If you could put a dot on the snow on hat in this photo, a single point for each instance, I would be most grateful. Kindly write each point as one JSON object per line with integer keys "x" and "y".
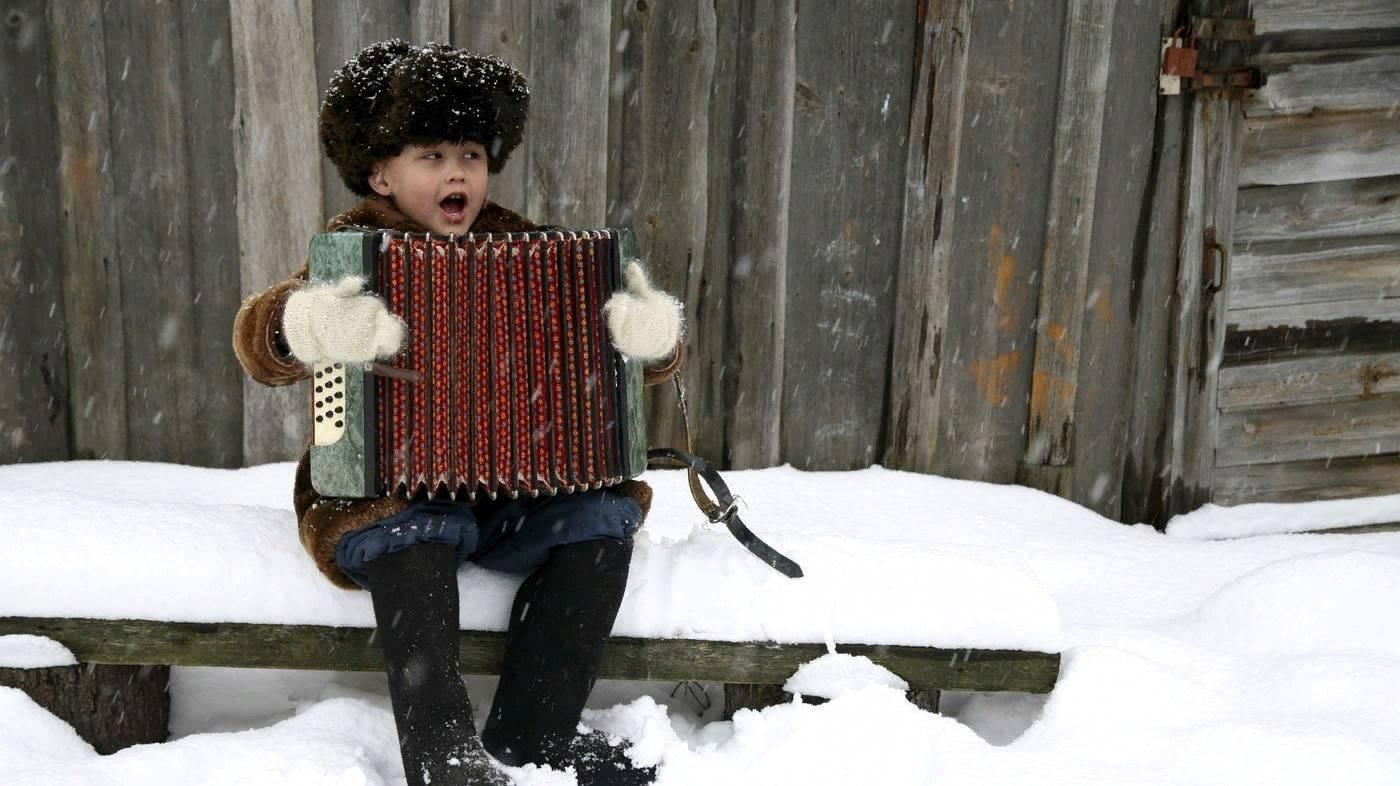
{"x": 393, "y": 94}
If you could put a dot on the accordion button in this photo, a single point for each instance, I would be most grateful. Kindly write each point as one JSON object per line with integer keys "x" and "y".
{"x": 339, "y": 424}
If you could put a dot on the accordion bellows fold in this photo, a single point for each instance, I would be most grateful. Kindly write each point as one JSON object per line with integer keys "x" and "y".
{"x": 322, "y": 521}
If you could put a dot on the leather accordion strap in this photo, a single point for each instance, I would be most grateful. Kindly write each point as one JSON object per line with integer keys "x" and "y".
{"x": 726, "y": 510}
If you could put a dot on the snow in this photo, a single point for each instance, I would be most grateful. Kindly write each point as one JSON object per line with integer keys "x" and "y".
{"x": 1270, "y": 659}
{"x": 1268, "y": 518}
{"x": 22, "y": 651}
{"x": 836, "y": 674}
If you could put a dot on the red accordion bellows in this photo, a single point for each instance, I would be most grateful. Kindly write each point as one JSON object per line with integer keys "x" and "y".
{"x": 518, "y": 379}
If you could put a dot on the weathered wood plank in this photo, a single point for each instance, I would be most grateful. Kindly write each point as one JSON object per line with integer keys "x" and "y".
{"x": 151, "y": 174}
{"x": 1331, "y": 430}
{"x": 1309, "y": 380}
{"x": 33, "y": 350}
{"x": 670, "y": 205}
{"x": 1342, "y": 80}
{"x": 1105, "y": 398}
{"x": 354, "y": 649}
{"x": 1304, "y": 481}
{"x": 430, "y": 21}
{"x": 994, "y": 262}
{"x": 1146, "y": 484}
{"x": 1339, "y": 208}
{"x": 1059, "y": 331}
{"x": 1211, "y": 188}
{"x": 709, "y": 362}
{"x": 1278, "y": 16}
{"x": 92, "y": 301}
{"x": 206, "y": 65}
{"x": 279, "y": 190}
{"x": 1258, "y": 334}
{"x": 568, "y": 169}
{"x": 501, "y": 28}
{"x": 850, "y": 126}
{"x": 1315, "y": 148}
{"x": 342, "y": 29}
{"x": 926, "y": 236}
{"x": 1297, "y": 272}
{"x": 762, "y": 139}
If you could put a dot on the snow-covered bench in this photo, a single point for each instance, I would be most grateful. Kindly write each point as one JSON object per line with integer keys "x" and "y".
{"x": 146, "y": 563}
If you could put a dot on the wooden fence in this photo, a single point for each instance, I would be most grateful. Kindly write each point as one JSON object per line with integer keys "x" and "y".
{"x": 941, "y": 235}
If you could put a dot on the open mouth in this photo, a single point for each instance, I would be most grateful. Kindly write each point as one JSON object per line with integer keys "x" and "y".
{"x": 454, "y": 207}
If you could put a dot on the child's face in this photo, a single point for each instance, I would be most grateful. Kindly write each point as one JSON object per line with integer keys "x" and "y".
{"x": 423, "y": 181}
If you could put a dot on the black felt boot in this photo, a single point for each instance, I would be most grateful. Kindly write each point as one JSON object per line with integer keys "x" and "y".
{"x": 559, "y": 624}
{"x": 415, "y": 608}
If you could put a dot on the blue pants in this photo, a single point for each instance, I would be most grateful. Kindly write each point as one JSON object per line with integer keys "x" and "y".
{"x": 508, "y": 535}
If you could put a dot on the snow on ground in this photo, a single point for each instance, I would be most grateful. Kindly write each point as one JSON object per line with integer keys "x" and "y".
{"x": 1268, "y": 518}
{"x": 1271, "y": 659}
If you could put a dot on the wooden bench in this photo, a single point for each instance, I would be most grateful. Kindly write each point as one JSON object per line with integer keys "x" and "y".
{"x": 752, "y": 672}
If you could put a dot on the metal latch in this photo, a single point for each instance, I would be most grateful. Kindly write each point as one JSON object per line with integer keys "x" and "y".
{"x": 1187, "y": 64}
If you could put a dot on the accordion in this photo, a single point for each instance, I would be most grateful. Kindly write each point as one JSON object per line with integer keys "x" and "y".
{"x": 507, "y": 381}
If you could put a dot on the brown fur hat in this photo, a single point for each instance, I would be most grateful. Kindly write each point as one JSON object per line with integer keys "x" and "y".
{"x": 393, "y": 94}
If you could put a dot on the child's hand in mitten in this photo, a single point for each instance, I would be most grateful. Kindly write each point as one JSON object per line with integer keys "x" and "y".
{"x": 337, "y": 323}
{"x": 644, "y": 322}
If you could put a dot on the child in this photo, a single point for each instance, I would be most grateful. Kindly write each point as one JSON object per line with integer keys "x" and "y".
{"x": 417, "y": 131}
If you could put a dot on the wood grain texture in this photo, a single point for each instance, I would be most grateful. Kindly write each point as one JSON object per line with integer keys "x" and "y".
{"x": 1118, "y": 283}
{"x": 1334, "y": 80}
{"x": 568, "y": 70}
{"x": 501, "y": 28}
{"x": 922, "y": 307}
{"x": 111, "y": 707}
{"x": 1281, "y": 332}
{"x": 1278, "y": 16}
{"x": 206, "y": 70}
{"x": 430, "y": 21}
{"x": 1325, "y": 270}
{"x": 1334, "y": 209}
{"x": 850, "y": 128}
{"x": 1146, "y": 484}
{"x": 151, "y": 172}
{"x": 279, "y": 190}
{"x": 1309, "y": 380}
{"x": 34, "y": 400}
{"x": 1322, "y": 147}
{"x": 354, "y": 649}
{"x": 710, "y": 358}
{"x": 1333, "y": 430}
{"x": 92, "y": 301}
{"x": 1005, "y": 158}
{"x": 670, "y": 205}
{"x": 1070, "y": 226}
{"x": 342, "y": 29}
{"x": 757, "y": 275}
{"x": 1210, "y": 193}
{"x": 1305, "y": 481}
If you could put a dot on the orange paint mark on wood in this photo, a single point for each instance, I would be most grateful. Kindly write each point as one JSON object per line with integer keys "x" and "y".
{"x": 993, "y": 375}
{"x": 1055, "y": 331}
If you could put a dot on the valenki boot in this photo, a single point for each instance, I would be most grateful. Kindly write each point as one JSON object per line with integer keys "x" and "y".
{"x": 414, "y": 592}
{"x": 559, "y": 626}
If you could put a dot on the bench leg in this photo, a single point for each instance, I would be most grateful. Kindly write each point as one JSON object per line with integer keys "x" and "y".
{"x": 111, "y": 707}
{"x": 739, "y": 696}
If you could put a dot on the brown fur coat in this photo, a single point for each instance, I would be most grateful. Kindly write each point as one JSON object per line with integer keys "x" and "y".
{"x": 322, "y": 521}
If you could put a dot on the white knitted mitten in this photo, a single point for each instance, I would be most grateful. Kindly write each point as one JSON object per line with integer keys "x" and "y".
{"x": 337, "y": 323}
{"x": 645, "y": 323}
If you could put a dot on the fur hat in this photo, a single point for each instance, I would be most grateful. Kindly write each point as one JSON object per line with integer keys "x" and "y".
{"x": 393, "y": 94}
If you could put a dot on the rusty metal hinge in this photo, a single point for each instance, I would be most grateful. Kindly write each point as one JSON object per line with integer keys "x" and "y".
{"x": 1185, "y": 66}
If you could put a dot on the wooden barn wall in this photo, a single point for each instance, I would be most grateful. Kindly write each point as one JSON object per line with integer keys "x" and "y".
{"x": 1309, "y": 401}
{"x": 920, "y": 233}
